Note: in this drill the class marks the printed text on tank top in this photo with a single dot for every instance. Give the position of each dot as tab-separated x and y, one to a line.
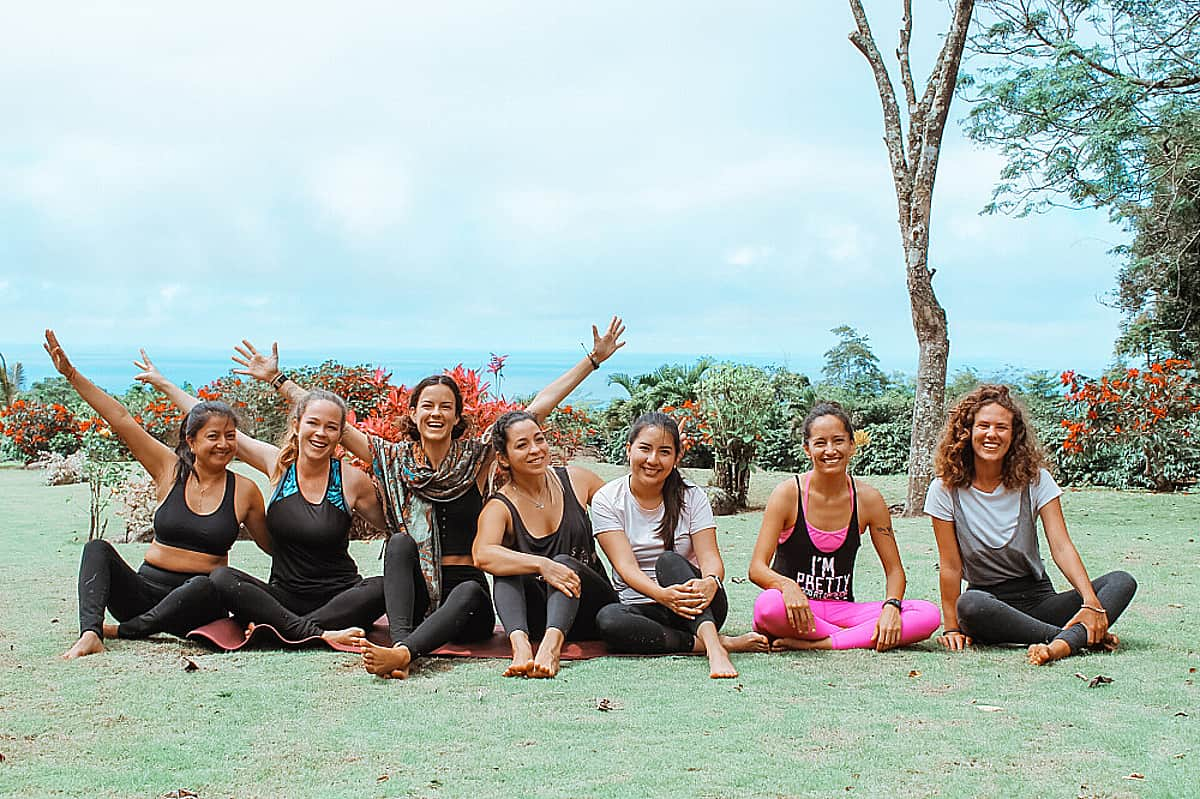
822	571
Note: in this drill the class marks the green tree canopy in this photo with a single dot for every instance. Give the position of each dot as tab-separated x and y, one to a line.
850	364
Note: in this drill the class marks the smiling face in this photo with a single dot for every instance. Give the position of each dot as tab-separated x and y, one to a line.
829	445
652	456
215	443
992	433
435	413
526	450
319	429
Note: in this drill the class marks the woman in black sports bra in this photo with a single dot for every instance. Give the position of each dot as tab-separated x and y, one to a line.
536	538
315	588
202	505
432	483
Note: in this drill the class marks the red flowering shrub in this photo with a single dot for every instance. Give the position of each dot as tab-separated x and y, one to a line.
34	428
569	429
1148	417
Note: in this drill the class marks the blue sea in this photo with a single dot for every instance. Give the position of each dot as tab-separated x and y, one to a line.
524	372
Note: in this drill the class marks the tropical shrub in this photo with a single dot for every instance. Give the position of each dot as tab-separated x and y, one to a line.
736	402
34	428
883	447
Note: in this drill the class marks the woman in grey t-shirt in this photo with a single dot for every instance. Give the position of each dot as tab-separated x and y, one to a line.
991	487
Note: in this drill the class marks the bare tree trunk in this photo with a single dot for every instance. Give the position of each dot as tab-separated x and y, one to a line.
914	158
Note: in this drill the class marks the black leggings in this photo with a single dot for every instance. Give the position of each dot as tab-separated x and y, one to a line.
1028	611
299	616
654	629
530	605
145	602
464	615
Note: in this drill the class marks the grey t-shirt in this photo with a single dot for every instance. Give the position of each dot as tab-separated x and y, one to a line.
997	536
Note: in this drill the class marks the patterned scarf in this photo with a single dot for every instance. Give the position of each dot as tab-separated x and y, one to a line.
410	487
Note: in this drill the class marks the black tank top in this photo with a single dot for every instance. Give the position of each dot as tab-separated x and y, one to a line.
311	543
176	525
822	575
458	521
573	536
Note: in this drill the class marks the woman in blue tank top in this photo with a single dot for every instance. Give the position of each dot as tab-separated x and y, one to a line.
315	589
535	537
201	507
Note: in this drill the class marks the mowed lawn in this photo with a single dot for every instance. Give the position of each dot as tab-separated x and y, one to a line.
913	722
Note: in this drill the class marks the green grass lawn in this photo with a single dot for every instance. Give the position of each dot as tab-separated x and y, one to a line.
913	722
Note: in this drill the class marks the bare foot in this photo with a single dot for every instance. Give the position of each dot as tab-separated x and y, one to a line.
800	644
522	659
250	630
720	667
1041	654
1108	643
343	637
747	642
389	662
88	644
546	664
110	630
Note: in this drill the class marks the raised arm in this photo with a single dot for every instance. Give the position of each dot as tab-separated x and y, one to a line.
950	583
603	346
1092	614
156	457
258	454
266	368
779	516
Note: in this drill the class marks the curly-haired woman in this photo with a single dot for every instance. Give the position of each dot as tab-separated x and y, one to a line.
991	487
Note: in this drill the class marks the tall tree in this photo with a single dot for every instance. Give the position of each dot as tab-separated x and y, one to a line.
12	380
851	364
914	159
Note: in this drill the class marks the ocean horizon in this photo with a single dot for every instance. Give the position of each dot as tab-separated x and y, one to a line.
525	372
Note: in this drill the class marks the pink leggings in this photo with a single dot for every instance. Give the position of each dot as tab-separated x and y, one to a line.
847	625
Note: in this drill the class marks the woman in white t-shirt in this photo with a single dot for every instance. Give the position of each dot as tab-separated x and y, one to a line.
658	532
991	487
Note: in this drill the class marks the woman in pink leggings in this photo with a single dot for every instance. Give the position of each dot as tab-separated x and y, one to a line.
804	556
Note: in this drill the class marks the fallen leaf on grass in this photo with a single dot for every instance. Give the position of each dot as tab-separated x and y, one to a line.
1174	605
1179	756
1181	713
1136	776
1099	679
988	708
1192	670
1	757
181	793
382	778
54	621
187	664
738	579
914	673
605	704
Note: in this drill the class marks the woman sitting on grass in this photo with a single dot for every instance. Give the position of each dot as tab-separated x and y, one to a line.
658	532
808	601
432	483
536	538
992	486
315	588
202	506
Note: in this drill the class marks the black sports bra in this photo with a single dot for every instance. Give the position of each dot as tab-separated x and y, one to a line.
176	525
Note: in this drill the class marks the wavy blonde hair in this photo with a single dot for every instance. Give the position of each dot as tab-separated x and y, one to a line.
289	445
954	460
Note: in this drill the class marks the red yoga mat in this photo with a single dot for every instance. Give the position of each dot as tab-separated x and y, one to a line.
230	635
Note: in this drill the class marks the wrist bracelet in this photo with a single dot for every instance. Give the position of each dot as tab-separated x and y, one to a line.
951	630
278	380
894	603
720	584
595	363
1101	611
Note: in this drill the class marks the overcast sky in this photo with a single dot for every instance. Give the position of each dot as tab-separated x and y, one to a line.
497	176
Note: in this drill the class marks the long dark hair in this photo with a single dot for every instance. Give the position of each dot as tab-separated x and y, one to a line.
409	429
289	447
192	422
674	490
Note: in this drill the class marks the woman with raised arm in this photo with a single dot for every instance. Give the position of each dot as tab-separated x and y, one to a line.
432	482
314	588
202	506
805	552
658	532
992	486
535	537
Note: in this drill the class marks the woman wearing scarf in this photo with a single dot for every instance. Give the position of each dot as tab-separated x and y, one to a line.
432	481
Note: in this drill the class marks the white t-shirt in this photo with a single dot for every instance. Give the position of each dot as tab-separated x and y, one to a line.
615	508
993	516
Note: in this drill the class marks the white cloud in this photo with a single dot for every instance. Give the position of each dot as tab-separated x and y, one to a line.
365	192
748	255
169	292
